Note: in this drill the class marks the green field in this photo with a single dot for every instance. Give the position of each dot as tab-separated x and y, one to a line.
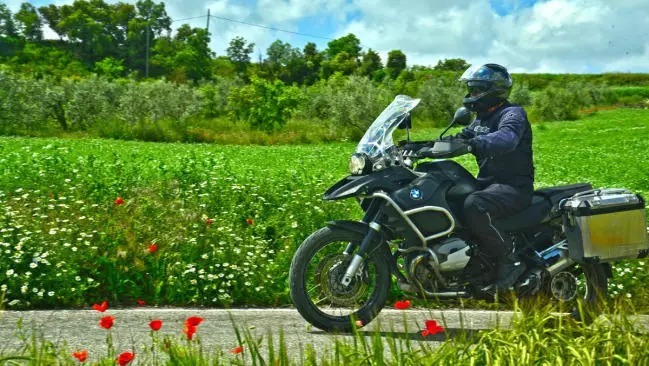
226	220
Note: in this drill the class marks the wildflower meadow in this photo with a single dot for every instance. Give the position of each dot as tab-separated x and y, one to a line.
86	220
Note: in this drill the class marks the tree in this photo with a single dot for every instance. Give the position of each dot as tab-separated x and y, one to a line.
349	44
371	63
239	53
452	64
29	22
313	60
7	25
396	63
195	56
343	63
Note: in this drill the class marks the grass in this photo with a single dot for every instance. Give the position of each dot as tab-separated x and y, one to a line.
226	220
539	337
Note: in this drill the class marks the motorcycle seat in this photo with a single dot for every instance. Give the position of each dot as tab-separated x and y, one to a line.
539	210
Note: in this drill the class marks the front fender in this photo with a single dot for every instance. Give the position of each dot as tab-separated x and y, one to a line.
354	226
388	180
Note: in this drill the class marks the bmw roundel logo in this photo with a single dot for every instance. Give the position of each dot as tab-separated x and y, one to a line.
415	194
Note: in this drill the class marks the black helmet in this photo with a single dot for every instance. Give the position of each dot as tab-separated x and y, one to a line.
487	85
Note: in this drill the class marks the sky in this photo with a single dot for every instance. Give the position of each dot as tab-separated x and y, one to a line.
531	36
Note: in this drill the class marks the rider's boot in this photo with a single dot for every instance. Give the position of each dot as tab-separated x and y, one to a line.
509	270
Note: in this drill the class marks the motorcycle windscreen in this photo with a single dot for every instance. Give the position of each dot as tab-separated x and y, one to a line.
378	138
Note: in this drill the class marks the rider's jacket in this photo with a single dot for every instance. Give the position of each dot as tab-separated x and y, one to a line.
502	145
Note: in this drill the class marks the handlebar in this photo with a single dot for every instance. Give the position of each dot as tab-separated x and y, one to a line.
441	150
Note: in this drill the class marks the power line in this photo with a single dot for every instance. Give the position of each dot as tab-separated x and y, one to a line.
179	20
271	28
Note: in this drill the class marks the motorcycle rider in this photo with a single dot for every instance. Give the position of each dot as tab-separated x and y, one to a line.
500	137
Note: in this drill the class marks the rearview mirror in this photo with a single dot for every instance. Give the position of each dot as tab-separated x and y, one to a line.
462	117
406	122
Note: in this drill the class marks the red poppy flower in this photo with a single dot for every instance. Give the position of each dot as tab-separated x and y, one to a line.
249	221
402	305
237	350
101	308
125	358
193	321
81	356
141	302
432	328
155	324
119	201
153	247
209	221
359	323
189	331
106	322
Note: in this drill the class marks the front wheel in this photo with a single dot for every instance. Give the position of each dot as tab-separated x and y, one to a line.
316	271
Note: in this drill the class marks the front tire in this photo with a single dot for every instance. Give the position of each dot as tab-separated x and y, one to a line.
352	302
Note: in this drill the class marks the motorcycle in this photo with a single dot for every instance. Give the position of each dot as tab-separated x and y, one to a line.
413	229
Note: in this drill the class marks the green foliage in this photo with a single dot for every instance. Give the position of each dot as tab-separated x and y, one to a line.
264	105
110	68
348	104
58	199
215	95
349	44
563	102
371	63
7	25
521	95
452	64
29	22
239	52
396	63
343	63
440	99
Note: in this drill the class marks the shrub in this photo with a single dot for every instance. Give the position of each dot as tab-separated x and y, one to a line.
563	102
521	94
22	106
88	102
348	104
215	96
154	101
265	105
440	98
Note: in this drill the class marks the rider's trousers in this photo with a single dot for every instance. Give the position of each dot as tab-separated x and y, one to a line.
481	210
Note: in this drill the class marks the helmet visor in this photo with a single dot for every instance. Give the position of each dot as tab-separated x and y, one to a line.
477	88
484	73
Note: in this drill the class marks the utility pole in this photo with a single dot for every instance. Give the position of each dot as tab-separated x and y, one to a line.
207	26
146	67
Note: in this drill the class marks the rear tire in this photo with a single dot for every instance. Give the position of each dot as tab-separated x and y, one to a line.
594	300
300	271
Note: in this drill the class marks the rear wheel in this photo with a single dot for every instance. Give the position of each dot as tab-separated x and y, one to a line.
316	271
582	290
595	291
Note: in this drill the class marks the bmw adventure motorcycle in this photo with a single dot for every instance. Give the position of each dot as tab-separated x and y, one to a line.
413	229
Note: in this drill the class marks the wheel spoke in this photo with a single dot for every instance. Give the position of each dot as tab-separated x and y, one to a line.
314	287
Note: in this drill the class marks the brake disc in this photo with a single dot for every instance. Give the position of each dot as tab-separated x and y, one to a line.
564	286
330	272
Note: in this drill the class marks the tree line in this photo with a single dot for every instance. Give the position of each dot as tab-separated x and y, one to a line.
125	40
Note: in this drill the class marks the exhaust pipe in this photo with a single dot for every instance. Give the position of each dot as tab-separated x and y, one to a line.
560	265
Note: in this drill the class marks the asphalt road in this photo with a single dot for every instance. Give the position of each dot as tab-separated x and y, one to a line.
80	328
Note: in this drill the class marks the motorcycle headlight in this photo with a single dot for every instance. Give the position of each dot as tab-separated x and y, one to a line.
357	164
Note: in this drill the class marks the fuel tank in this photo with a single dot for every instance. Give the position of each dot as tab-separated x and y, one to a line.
431	190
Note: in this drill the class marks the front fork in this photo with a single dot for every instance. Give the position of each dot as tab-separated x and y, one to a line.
372	216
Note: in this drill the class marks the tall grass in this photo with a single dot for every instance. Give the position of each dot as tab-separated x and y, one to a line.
539	337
